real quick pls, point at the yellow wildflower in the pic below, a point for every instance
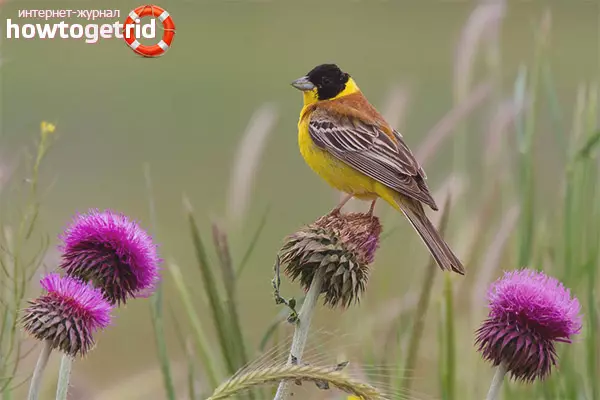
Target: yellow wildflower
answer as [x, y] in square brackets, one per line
[47, 127]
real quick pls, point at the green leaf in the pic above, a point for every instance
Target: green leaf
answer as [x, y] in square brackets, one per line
[586, 150]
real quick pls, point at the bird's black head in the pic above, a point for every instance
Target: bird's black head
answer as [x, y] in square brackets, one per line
[327, 79]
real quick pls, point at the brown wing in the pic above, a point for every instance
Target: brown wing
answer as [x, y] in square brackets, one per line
[371, 151]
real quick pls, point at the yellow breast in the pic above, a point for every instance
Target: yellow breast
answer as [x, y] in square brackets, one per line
[335, 172]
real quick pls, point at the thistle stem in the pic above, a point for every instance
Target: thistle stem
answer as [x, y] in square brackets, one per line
[64, 376]
[494, 392]
[38, 372]
[301, 332]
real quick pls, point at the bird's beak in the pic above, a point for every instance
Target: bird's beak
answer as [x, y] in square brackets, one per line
[303, 84]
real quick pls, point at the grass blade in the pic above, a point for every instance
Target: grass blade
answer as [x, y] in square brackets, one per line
[238, 347]
[156, 305]
[191, 369]
[202, 343]
[449, 339]
[156, 308]
[211, 288]
[592, 342]
[441, 351]
[526, 159]
[248, 253]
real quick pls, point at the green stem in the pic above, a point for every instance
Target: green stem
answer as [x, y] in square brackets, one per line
[450, 348]
[64, 376]
[302, 326]
[38, 373]
[494, 392]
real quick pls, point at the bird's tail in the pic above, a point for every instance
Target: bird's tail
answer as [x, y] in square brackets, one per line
[439, 249]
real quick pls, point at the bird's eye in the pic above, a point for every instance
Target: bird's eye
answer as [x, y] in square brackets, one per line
[326, 80]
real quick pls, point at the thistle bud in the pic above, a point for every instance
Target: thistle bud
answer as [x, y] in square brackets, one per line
[68, 315]
[343, 245]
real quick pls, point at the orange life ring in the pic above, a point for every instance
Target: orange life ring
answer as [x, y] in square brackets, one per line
[168, 27]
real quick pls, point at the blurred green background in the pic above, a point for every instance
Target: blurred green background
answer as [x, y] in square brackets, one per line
[185, 114]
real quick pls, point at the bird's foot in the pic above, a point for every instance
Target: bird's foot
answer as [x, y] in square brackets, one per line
[335, 212]
[372, 209]
[338, 209]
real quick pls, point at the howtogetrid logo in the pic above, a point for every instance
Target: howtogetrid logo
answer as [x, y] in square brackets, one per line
[131, 30]
[133, 20]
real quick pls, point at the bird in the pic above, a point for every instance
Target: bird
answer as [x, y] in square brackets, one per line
[349, 144]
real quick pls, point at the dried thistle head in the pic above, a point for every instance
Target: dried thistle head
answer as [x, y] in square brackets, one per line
[343, 245]
[67, 315]
[529, 311]
[113, 252]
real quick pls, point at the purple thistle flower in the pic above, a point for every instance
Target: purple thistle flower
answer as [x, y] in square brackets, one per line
[113, 252]
[68, 315]
[529, 311]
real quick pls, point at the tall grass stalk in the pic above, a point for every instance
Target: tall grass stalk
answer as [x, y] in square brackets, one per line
[589, 155]
[572, 197]
[156, 302]
[525, 135]
[231, 301]
[301, 330]
[228, 276]
[247, 159]
[220, 318]
[191, 370]
[156, 309]
[483, 22]
[449, 340]
[464, 60]
[203, 345]
[421, 311]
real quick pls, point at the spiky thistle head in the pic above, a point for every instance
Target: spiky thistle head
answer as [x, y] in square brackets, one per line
[528, 312]
[343, 245]
[111, 251]
[68, 314]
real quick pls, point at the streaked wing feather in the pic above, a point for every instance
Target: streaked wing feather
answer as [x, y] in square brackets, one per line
[371, 151]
